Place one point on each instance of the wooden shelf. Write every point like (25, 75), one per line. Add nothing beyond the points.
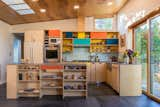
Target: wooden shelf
(29, 81)
(67, 38)
(75, 70)
(67, 45)
(52, 71)
(75, 80)
(56, 87)
(28, 70)
(28, 92)
(112, 45)
(51, 78)
(72, 90)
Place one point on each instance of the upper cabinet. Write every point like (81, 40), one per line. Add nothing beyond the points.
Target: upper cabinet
(33, 46)
(54, 33)
(34, 36)
(98, 35)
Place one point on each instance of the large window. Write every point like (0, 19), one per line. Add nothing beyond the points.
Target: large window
(147, 42)
(141, 35)
(104, 24)
(155, 56)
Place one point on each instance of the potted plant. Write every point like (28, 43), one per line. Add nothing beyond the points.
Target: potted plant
(130, 56)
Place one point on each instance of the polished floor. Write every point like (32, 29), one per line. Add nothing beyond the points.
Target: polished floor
(101, 96)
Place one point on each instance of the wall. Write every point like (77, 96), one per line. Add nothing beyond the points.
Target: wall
(64, 25)
(5, 49)
(131, 12)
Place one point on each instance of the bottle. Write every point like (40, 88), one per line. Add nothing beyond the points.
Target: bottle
(20, 76)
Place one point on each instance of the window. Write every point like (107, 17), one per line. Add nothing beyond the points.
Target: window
(104, 24)
(155, 56)
(141, 35)
(147, 42)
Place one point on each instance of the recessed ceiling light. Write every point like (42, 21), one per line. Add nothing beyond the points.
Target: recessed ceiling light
(110, 3)
(42, 10)
(76, 7)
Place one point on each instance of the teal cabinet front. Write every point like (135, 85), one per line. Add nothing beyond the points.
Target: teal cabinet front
(81, 41)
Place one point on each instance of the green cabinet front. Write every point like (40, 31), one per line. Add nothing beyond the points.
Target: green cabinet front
(81, 41)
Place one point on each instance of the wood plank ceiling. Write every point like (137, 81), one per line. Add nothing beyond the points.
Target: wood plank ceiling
(60, 9)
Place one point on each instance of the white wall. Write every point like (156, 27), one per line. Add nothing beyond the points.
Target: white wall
(64, 25)
(5, 43)
(131, 12)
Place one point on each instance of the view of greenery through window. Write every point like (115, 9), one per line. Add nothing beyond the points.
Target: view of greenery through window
(141, 36)
(155, 56)
(141, 46)
(104, 24)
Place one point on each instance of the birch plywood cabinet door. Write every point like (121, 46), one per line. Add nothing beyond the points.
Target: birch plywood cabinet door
(37, 53)
(92, 72)
(109, 75)
(88, 72)
(100, 72)
(34, 36)
(28, 51)
(11, 81)
(33, 46)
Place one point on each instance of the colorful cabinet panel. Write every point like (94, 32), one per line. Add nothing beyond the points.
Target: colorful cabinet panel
(98, 35)
(112, 41)
(44, 67)
(68, 34)
(81, 35)
(54, 33)
(81, 41)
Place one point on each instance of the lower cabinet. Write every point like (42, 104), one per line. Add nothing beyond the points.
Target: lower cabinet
(109, 74)
(115, 77)
(96, 72)
(100, 72)
(11, 81)
(112, 76)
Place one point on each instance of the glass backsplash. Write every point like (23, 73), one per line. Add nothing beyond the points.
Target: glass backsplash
(83, 54)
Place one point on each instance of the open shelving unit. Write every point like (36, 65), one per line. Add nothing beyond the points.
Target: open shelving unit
(75, 80)
(28, 80)
(101, 42)
(51, 81)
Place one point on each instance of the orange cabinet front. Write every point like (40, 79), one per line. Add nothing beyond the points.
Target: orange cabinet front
(44, 67)
(54, 33)
(98, 35)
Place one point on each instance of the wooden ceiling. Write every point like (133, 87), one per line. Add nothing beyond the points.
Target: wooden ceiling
(60, 9)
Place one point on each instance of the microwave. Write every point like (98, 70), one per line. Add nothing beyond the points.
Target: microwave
(51, 54)
(54, 41)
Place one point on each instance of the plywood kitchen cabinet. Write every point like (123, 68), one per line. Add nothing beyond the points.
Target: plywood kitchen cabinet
(34, 36)
(130, 80)
(88, 71)
(33, 46)
(115, 77)
(100, 72)
(109, 74)
(92, 73)
(11, 81)
(112, 76)
(97, 72)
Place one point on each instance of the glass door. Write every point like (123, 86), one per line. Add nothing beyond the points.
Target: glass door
(155, 56)
(141, 35)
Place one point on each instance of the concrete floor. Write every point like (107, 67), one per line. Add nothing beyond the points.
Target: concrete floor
(102, 96)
